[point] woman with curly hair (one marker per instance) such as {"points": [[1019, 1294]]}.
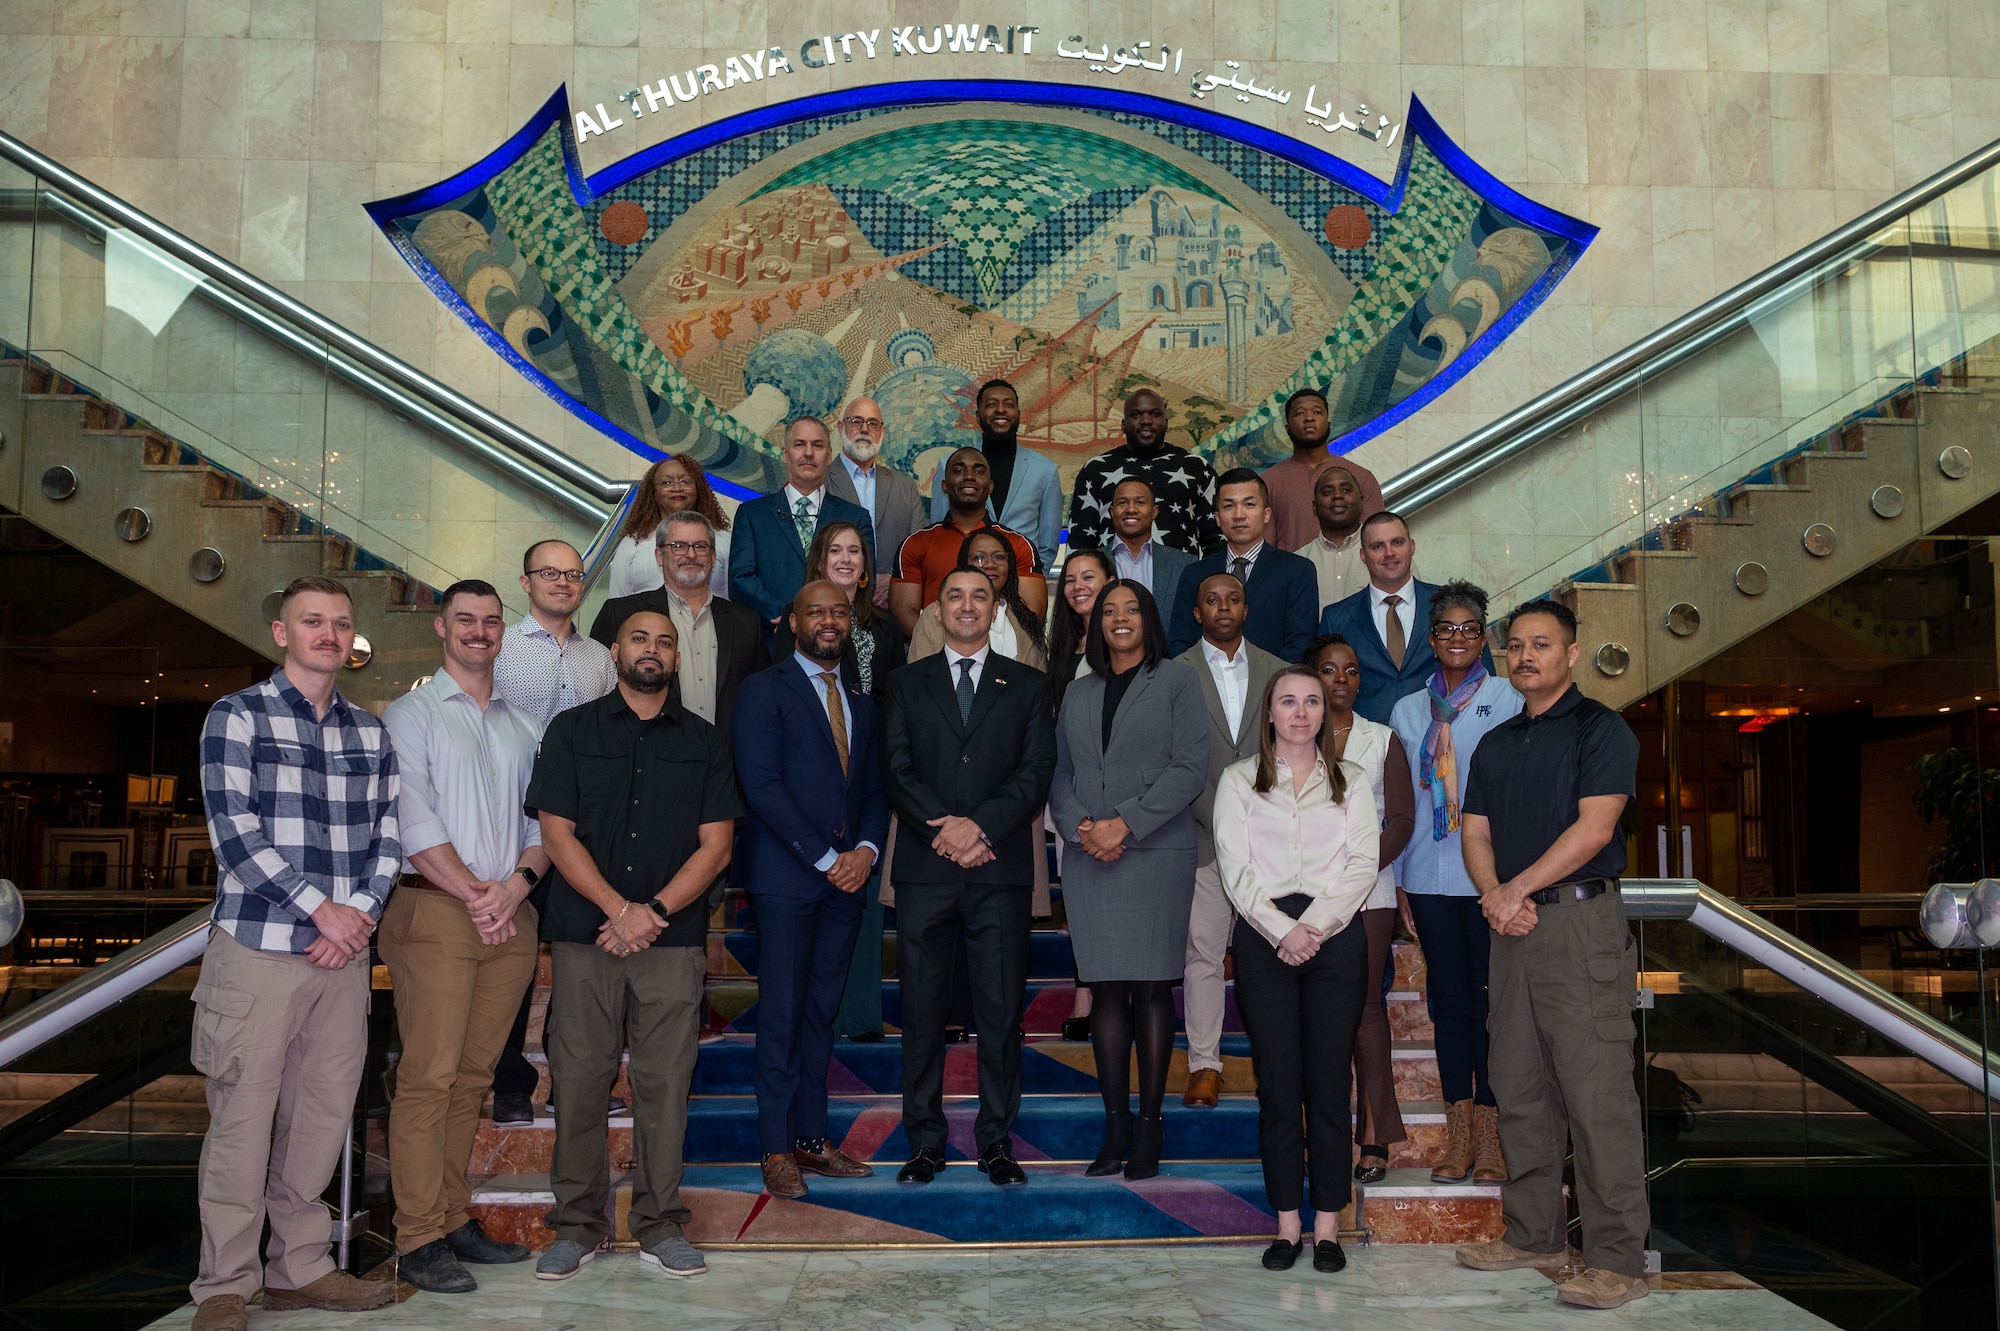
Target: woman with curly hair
{"points": [[674, 484], [1017, 628]]}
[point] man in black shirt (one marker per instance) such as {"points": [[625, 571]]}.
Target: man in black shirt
{"points": [[1183, 484], [1541, 837], [637, 801]]}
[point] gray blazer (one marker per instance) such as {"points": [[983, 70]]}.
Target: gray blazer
{"points": [[1154, 772], [1168, 565], [1223, 747], [899, 510]]}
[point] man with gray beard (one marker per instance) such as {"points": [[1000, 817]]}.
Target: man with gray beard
{"points": [[891, 498]]}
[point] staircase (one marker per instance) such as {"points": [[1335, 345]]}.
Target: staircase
{"points": [[1210, 1186]]}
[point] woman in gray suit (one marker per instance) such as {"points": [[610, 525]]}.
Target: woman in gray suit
{"points": [[1131, 760]]}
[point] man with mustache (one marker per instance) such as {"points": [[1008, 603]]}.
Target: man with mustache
{"points": [[459, 939], [1183, 485], [281, 1010], [1027, 491], [812, 776], [637, 801], [892, 500]]}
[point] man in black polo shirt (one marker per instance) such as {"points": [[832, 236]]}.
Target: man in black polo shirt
{"points": [[637, 800], [1543, 845]]}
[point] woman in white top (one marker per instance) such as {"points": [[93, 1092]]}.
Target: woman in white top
{"points": [[1374, 748], [1296, 839], [674, 484], [1084, 574]]}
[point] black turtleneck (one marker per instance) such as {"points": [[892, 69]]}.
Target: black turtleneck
{"points": [[1000, 450]]}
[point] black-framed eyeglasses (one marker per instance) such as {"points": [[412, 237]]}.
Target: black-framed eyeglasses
{"points": [[557, 574], [1452, 629], [690, 547], [860, 423]]}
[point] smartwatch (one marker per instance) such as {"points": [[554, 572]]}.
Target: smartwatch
{"points": [[528, 876], [659, 909]]}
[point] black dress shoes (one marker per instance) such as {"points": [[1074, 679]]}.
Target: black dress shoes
{"points": [[1328, 1257], [1149, 1137], [1117, 1141], [434, 1269], [471, 1243], [1280, 1255], [1076, 1028], [924, 1166], [998, 1164]]}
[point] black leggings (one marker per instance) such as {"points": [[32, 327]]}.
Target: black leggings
{"points": [[1124, 1013]]}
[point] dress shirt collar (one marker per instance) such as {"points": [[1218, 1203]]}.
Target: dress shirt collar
{"points": [[952, 656], [855, 470], [1345, 545], [1318, 777], [1215, 657], [707, 601], [813, 668], [448, 687], [816, 498], [1408, 591], [1229, 556]]}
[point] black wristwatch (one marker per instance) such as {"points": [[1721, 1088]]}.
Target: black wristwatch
{"points": [[528, 876], [659, 909]]}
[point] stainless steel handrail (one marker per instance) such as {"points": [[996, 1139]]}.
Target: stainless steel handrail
{"points": [[1812, 970], [440, 406], [1576, 398], [104, 986]]}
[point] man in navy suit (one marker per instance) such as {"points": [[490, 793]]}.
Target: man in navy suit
{"points": [[767, 548], [1282, 588], [1388, 621], [1027, 490], [812, 776]]}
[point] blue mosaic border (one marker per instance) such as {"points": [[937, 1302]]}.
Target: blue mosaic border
{"points": [[854, 104]]}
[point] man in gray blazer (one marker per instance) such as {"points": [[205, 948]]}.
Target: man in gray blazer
{"points": [[1027, 491], [1233, 676], [892, 499], [1136, 554]]}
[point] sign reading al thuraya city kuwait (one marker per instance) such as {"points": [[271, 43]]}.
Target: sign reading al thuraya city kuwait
{"points": [[912, 239]]}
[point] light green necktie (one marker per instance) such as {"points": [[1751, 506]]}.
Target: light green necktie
{"points": [[804, 522]]}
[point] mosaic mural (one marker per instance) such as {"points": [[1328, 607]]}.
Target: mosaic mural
{"points": [[897, 242]]}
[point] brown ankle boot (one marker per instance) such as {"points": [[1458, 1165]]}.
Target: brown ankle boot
{"points": [[1455, 1165], [1488, 1164]]}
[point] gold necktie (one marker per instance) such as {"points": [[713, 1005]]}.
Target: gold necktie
{"points": [[837, 716], [1392, 633]]}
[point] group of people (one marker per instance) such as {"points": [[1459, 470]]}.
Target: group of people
{"points": [[1235, 720]]}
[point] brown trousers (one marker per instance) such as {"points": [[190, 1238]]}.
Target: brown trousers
{"points": [[281, 1042], [1378, 1118], [455, 1002], [649, 1002], [1560, 1022]]}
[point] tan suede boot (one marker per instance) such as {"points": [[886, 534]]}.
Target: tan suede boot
{"points": [[1455, 1165], [1488, 1164]]}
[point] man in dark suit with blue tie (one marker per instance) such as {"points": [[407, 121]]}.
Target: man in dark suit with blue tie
{"points": [[812, 777], [1282, 588], [1388, 621], [767, 546]]}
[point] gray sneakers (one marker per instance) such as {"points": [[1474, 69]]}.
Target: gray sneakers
{"points": [[563, 1259], [676, 1257]]}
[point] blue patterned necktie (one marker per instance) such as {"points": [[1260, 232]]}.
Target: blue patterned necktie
{"points": [[803, 520]]}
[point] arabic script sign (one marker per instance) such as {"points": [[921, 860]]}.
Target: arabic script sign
{"points": [[912, 240]]}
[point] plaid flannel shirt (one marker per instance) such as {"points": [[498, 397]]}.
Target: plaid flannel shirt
{"points": [[301, 810]]}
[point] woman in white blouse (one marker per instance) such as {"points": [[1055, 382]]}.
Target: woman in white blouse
{"points": [[1296, 836], [674, 484]]}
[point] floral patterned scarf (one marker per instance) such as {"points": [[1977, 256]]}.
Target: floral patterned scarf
{"points": [[1437, 764]]}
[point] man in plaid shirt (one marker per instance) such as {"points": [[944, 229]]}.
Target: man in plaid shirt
{"points": [[301, 788]]}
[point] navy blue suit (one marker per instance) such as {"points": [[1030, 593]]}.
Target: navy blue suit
{"points": [[802, 806], [767, 565], [1282, 600], [1382, 684]]}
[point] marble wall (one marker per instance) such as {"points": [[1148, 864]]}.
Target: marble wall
{"points": [[1706, 137]]}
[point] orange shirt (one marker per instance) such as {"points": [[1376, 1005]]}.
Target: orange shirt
{"points": [[931, 552]]}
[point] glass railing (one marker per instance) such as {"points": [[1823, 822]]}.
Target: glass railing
{"points": [[429, 485], [1914, 303]]}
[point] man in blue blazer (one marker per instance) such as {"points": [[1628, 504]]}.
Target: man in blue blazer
{"points": [[1027, 492], [811, 774], [1395, 655], [767, 545], [1282, 588]]}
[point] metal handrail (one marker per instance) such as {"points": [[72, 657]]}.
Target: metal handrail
{"points": [[105, 986], [408, 389], [1812, 970], [1573, 400]]}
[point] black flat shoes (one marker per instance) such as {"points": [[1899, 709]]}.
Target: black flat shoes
{"points": [[1280, 1255]]}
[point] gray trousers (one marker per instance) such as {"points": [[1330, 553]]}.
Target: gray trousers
{"points": [[649, 1002], [1560, 1022]]}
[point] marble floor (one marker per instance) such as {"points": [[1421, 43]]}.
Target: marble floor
{"points": [[1134, 1289]]}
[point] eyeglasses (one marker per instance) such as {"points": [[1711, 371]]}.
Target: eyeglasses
{"points": [[557, 574], [690, 547], [989, 557], [1468, 631], [861, 423]]}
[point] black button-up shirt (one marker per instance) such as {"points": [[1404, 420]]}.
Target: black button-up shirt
{"points": [[638, 792], [1529, 772]]}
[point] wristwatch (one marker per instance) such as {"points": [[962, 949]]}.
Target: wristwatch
{"points": [[659, 909], [528, 876]]}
